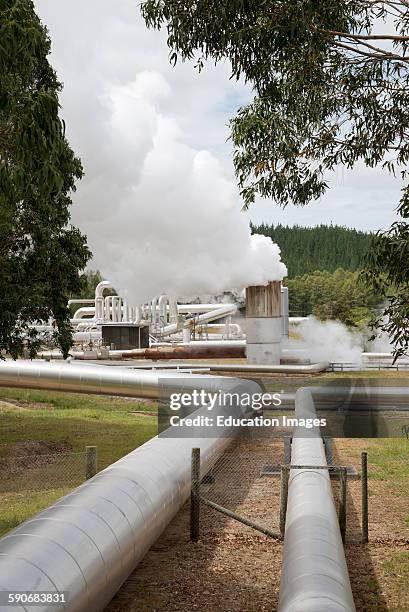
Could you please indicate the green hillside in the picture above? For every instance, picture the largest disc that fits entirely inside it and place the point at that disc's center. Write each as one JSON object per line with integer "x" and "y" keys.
{"x": 325, "y": 247}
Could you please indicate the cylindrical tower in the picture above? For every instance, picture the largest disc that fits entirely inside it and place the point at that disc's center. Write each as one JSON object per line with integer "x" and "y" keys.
{"x": 264, "y": 326}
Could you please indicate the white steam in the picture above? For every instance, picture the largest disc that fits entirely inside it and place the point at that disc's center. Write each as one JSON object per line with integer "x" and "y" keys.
{"x": 382, "y": 343}
{"x": 327, "y": 341}
{"x": 160, "y": 210}
{"x": 171, "y": 219}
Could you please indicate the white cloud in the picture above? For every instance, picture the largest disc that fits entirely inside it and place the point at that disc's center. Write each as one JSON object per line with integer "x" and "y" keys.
{"x": 365, "y": 198}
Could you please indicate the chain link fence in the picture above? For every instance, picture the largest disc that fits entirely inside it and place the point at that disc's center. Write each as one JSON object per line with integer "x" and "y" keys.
{"x": 240, "y": 482}
{"x": 42, "y": 472}
{"x": 31, "y": 482}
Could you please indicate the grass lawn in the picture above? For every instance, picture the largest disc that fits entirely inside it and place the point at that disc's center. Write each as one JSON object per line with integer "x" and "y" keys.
{"x": 291, "y": 382}
{"x": 43, "y": 436}
{"x": 379, "y": 570}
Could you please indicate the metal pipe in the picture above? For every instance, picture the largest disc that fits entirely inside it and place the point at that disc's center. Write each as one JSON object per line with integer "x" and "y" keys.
{"x": 310, "y": 368}
{"x": 285, "y": 311}
{"x": 188, "y": 352}
{"x": 101, "y": 380}
{"x": 314, "y": 576}
{"x": 163, "y": 309}
{"x": 81, "y": 301}
{"x": 100, "y": 288}
{"x": 199, "y": 308}
{"x": 84, "y": 311}
{"x": 88, "y": 542}
{"x": 222, "y": 310}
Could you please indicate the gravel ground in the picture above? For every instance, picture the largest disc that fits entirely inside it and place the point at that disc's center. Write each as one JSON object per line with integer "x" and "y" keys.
{"x": 234, "y": 568}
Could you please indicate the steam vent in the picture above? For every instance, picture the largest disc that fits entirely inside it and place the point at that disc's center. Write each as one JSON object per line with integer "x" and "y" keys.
{"x": 264, "y": 324}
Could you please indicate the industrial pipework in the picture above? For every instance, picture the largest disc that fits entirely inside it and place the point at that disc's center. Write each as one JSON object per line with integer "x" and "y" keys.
{"x": 87, "y": 543}
{"x": 164, "y": 316}
{"x": 314, "y": 575}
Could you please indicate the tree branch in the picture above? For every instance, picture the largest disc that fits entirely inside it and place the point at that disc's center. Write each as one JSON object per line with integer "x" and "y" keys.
{"x": 380, "y": 56}
{"x": 360, "y": 37}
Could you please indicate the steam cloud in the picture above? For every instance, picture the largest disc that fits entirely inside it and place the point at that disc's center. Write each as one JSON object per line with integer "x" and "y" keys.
{"x": 172, "y": 221}
{"x": 327, "y": 341}
{"x": 161, "y": 214}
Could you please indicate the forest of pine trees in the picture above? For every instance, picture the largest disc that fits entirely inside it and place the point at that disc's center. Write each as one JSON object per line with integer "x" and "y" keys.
{"x": 325, "y": 247}
{"x": 324, "y": 264}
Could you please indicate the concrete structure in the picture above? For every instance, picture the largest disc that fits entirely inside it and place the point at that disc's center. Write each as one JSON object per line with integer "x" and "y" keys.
{"x": 264, "y": 325}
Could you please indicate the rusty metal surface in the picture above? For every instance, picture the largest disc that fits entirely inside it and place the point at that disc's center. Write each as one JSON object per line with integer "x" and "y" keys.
{"x": 264, "y": 300}
{"x": 190, "y": 352}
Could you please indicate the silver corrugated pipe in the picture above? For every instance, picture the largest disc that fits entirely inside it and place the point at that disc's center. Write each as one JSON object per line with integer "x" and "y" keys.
{"x": 88, "y": 542}
{"x": 314, "y": 575}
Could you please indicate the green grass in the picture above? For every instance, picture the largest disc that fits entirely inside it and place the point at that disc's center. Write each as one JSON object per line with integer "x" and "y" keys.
{"x": 389, "y": 463}
{"x": 80, "y": 420}
{"x": 18, "y": 507}
{"x": 70, "y": 422}
{"x": 391, "y": 460}
{"x": 290, "y": 383}
{"x": 396, "y": 567}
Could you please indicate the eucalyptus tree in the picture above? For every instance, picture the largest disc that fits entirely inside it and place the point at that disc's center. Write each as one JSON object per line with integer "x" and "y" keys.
{"x": 331, "y": 86}
{"x": 41, "y": 254}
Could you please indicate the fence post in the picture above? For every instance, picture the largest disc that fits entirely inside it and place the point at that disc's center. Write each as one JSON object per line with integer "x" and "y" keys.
{"x": 287, "y": 449}
{"x": 343, "y": 502}
{"x": 91, "y": 462}
{"x": 285, "y": 474}
{"x": 195, "y": 496}
{"x": 364, "y": 496}
{"x": 329, "y": 452}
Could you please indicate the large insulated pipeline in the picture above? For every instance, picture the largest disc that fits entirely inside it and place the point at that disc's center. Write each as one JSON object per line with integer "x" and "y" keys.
{"x": 87, "y": 543}
{"x": 309, "y": 368}
{"x": 314, "y": 575}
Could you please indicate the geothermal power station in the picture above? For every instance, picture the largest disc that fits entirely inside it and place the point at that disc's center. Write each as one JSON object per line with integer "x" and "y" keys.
{"x": 87, "y": 543}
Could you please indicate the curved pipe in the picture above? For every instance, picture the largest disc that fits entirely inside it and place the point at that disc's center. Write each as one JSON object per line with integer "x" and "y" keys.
{"x": 84, "y": 311}
{"x": 88, "y": 542}
{"x": 314, "y": 575}
{"x": 100, "y": 288}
